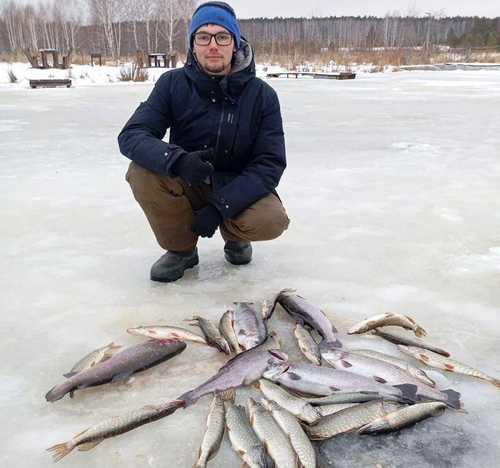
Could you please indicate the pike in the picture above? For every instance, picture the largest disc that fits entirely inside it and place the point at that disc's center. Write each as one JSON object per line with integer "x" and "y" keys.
{"x": 387, "y": 319}
{"x": 295, "y": 405}
{"x": 243, "y": 438}
{"x": 341, "y": 398}
{"x": 249, "y": 326}
{"x": 327, "y": 410}
{"x": 307, "y": 345}
{"x": 292, "y": 428}
{"x": 226, "y": 328}
{"x": 398, "y": 339}
{"x": 94, "y": 435}
{"x": 385, "y": 373}
{"x": 435, "y": 360}
{"x": 167, "y": 332}
{"x": 244, "y": 369}
{"x": 350, "y": 419}
{"x": 401, "y": 363}
{"x": 211, "y": 333}
{"x": 305, "y": 313}
{"x": 307, "y": 379}
{"x": 93, "y": 358}
{"x": 120, "y": 367}
{"x": 403, "y": 417}
{"x": 270, "y": 434}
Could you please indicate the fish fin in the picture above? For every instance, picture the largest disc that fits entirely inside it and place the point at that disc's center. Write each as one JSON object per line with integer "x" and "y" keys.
{"x": 123, "y": 377}
{"x": 408, "y": 392}
{"x": 228, "y": 395}
{"x": 59, "y": 451}
{"x": 89, "y": 445}
{"x": 69, "y": 374}
{"x": 496, "y": 383}
{"x": 345, "y": 363}
{"x": 453, "y": 398}
{"x": 379, "y": 379}
{"x": 72, "y": 394}
{"x": 420, "y": 332}
{"x": 449, "y": 367}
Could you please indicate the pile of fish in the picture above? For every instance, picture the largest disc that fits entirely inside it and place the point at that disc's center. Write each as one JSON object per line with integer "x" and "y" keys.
{"x": 369, "y": 380}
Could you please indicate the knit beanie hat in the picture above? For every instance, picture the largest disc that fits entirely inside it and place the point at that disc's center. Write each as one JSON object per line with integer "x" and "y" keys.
{"x": 219, "y": 13}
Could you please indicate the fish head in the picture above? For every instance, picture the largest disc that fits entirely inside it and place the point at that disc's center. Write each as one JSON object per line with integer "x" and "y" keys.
{"x": 275, "y": 370}
{"x": 140, "y": 331}
{"x": 277, "y": 356}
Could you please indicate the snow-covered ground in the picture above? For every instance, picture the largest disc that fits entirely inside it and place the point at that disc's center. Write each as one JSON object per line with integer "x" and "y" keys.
{"x": 393, "y": 189}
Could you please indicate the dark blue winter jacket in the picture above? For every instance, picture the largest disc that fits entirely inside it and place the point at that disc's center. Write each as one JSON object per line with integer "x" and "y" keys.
{"x": 239, "y": 116}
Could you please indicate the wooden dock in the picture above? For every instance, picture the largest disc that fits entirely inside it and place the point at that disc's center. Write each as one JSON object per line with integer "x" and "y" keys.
{"x": 316, "y": 75}
{"x": 50, "y": 83}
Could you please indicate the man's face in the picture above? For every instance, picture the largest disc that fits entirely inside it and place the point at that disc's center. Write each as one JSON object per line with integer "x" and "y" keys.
{"x": 215, "y": 59}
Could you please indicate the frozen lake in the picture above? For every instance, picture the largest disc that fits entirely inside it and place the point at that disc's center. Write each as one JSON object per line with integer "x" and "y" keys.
{"x": 393, "y": 190}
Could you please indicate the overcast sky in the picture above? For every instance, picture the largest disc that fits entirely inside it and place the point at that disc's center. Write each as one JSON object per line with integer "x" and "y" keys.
{"x": 271, "y": 8}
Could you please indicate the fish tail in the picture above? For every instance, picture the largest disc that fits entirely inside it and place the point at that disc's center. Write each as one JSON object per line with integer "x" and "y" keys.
{"x": 495, "y": 382}
{"x": 420, "y": 332}
{"x": 59, "y": 451}
{"x": 228, "y": 395}
{"x": 453, "y": 399}
{"x": 408, "y": 392}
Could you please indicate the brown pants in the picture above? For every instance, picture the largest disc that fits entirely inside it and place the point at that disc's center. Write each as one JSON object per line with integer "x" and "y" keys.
{"x": 168, "y": 203}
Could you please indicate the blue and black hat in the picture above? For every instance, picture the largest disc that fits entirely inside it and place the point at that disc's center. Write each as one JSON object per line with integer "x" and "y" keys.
{"x": 219, "y": 13}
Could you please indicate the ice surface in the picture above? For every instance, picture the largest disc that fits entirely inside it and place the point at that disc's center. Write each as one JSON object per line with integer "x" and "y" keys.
{"x": 393, "y": 189}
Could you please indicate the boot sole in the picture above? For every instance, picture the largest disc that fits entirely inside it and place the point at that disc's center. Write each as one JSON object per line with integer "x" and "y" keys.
{"x": 234, "y": 260}
{"x": 176, "y": 274}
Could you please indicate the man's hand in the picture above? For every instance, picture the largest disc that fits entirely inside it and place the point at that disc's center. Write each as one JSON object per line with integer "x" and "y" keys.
{"x": 206, "y": 221}
{"x": 195, "y": 167}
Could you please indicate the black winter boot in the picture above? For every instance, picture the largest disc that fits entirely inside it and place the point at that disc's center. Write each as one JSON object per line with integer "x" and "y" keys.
{"x": 171, "y": 266}
{"x": 238, "y": 252}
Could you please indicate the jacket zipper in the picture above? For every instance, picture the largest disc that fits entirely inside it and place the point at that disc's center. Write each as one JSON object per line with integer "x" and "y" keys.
{"x": 219, "y": 131}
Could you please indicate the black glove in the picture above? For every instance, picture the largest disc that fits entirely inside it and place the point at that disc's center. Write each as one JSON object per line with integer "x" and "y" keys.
{"x": 195, "y": 167}
{"x": 206, "y": 221}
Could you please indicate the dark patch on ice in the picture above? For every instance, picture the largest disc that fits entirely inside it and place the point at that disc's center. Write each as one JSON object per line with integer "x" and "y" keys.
{"x": 429, "y": 444}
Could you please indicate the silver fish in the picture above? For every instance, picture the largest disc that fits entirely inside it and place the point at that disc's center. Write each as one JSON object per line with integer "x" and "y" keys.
{"x": 120, "y": 367}
{"x": 350, "y": 419}
{"x": 249, "y": 326}
{"x": 398, "y": 338}
{"x": 339, "y": 398}
{"x": 274, "y": 439}
{"x": 387, "y": 319}
{"x": 211, "y": 333}
{"x": 372, "y": 342}
{"x": 401, "y": 363}
{"x": 243, "y": 438}
{"x": 435, "y": 360}
{"x": 243, "y": 369}
{"x": 89, "y": 438}
{"x": 403, "y": 417}
{"x": 385, "y": 373}
{"x": 167, "y": 332}
{"x": 327, "y": 410}
{"x": 295, "y": 405}
{"x": 292, "y": 428}
{"x": 226, "y": 328}
{"x": 321, "y": 381}
{"x": 93, "y": 358}
{"x": 307, "y": 345}
{"x": 309, "y": 314}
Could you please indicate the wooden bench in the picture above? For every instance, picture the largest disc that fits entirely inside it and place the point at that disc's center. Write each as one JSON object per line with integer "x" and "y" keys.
{"x": 50, "y": 83}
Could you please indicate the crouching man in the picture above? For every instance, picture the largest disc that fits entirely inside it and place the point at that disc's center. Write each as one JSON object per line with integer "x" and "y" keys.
{"x": 226, "y": 150}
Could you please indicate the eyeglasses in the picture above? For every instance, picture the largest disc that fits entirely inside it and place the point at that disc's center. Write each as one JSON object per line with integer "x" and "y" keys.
{"x": 221, "y": 38}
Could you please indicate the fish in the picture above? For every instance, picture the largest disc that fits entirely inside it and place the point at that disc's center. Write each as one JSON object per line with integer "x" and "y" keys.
{"x": 243, "y": 369}
{"x": 435, "y": 360}
{"x": 120, "y": 367}
{"x": 339, "y": 398}
{"x": 327, "y": 410}
{"x": 350, "y": 419}
{"x": 401, "y": 363}
{"x": 167, "y": 332}
{"x": 243, "y": 438}
{"x": 268, "y": 305}
{"x": 387, "y": 319}
{"x": 398, "y": 339}
{"x": 307, "y": 379}
{"x": 214, "y": 432}
{"x": 307, "y": 345}
{"x": 270, "y": 434}
{"x": 308, "y": 314}
{"x": 295, "y": 405}
{"x": 211, "y": 333}
{"x": 385, "y": 373}
{"x": 226, "y": 328}
{"x": 94, "y": 435}
{"x": 292, "y": 428}
{"x": 93, "y": 358}
{"x": 371, "y": 342}
{"x": 403, "y": 417}
{"x": 249, "y": 326}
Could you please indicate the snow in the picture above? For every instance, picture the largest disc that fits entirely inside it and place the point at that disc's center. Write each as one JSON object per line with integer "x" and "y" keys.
{"x": 393, "y": 189}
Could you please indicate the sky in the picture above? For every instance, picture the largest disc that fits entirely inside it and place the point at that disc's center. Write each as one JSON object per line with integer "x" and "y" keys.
{"x": 271, "y": 8}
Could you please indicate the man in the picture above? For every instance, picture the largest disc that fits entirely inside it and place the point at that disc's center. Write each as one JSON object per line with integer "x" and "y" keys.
{"x": 226, "y": 150}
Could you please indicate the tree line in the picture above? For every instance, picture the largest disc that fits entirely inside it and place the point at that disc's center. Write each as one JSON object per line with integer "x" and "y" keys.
{"x": 119, "y": 28}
